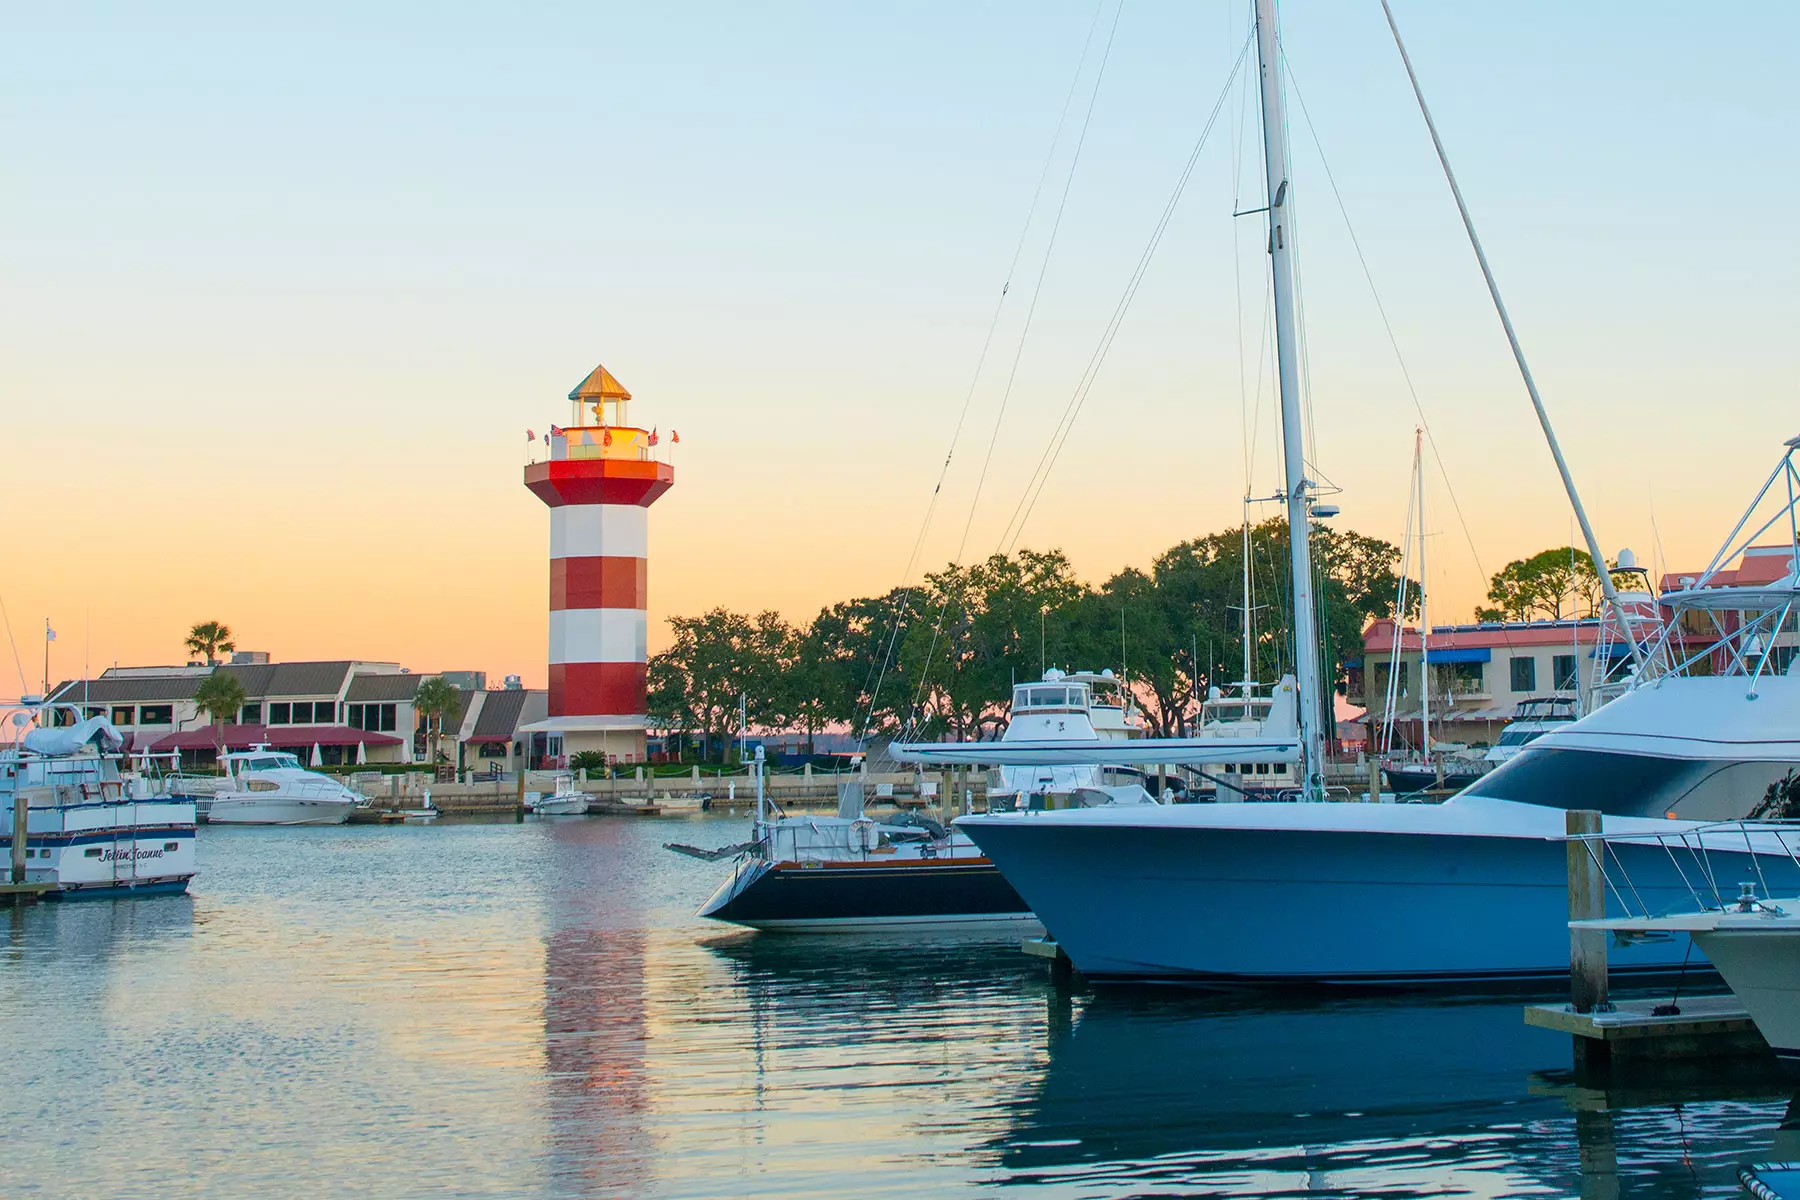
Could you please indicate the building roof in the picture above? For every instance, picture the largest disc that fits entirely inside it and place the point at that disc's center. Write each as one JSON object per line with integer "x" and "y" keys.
{"x": 1759, "y": 565}
{"x": 1378, "y": 638}
{"x": 599, "y": 385}
{"x": 282, "y": 737}
{"x": 500, "y": 714}
{"x": 364, "y": 687}
{"x": 137, "y": 689}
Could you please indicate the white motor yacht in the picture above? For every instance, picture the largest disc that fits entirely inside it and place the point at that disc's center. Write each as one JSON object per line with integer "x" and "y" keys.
{"x": 1078, "y": 708}
{"x": 1471, "y": 890}
{"x": 1531, "y": 720}
{"x": 270, "y": 787}
{"x": 91, "y": 830}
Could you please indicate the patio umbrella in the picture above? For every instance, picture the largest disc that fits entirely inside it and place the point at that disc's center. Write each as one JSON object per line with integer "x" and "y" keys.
{"x": 362, "y": 753}
{"x": 318, "y": 757}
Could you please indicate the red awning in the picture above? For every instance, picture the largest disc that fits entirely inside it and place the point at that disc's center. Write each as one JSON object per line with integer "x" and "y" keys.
{"x": 489, "y": 739}
{"x": 281, "y": 737}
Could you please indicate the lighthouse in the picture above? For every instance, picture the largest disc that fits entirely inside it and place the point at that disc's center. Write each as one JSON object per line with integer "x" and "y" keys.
{"x": 599, "y": 481}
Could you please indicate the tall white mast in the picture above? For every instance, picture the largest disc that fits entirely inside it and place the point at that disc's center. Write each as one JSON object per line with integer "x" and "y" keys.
{"x": 1244, "y": 688}
{"x": 1424, "y": 598}
{"x": 1281, "y": 270}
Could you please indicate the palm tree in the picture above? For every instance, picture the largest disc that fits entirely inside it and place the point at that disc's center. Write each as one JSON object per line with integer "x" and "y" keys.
{"x": 208, "y": 640}
{"x": 436, "y": 700}
{"x": 221, "y": 697}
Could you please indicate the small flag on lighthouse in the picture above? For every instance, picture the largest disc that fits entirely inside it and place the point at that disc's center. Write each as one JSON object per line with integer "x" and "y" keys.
{"x": 607, "y": 440}
{"x": 653, "y": 437}
{"x": 675, "y": 436}
{"x": 49, "y": 634}
{"x": 530, "y": 435}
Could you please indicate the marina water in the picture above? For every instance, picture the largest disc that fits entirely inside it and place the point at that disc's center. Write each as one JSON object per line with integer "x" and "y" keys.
{"x": 531, "y": 1010}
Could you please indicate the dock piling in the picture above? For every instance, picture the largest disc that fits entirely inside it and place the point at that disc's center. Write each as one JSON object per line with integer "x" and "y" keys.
{"x": 21, "y": 820}
{"x": 1587, "y": 902}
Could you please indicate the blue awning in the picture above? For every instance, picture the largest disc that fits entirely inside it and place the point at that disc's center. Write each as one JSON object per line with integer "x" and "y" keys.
{"x": 1611, "y": 651}
{"x": 1466, "y": 654}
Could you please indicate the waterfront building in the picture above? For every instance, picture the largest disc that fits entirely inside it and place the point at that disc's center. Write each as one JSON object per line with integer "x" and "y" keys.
{"x": 346, "y": 710}
{"x": 1479, "y": 673}
{"x": 599, "y": 477}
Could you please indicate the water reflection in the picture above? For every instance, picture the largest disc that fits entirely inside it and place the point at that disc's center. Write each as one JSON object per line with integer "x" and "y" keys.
{"x": 531, "y": 1011}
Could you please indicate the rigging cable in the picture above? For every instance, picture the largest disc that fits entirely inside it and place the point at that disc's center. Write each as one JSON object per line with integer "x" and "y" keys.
{"x": 1034, "y": 487}
{"x": 879, "y": 675}
{"x": 1018, "y": 354}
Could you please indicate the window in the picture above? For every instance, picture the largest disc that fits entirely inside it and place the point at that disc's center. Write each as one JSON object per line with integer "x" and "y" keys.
{"x": 171, "y": 847}
{"x": 122, "y": 714}
{"x": 491, "y": 750}
{"x": 250, "y": 714}
{"x": 379, "y": 718}
{"x": 156, "y": 714}
{"x": 280, "y": 714}
{"x": 1563, "y": 671}
{"x": 92, "y": 852}
{"x": 1524, "y": 674}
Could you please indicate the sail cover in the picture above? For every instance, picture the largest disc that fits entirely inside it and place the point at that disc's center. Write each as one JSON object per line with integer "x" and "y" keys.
{"x": 1137, "y": 752}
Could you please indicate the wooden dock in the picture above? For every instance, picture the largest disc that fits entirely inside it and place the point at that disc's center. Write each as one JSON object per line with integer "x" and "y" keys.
{"x": 15, "y": 894}
{"x": 1643, "y": 1030}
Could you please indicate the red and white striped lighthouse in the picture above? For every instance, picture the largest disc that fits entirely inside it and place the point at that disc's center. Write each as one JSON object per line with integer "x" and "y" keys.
{"x": 600, "y": 479}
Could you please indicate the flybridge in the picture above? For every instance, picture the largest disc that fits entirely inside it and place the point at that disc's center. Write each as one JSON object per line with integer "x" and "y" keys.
{"x": 1026, "y": 746}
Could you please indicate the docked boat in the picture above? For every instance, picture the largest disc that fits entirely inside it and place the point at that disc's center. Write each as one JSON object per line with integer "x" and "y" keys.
{"x": 1267, "y": 892}
{"x": 563, "y": 800}
{"x": 855, "y": 872}
{"x": 92, "y": 830}
{"x": 1470, "y": 891}
{"x": 270, "y": 787}
{"x": 1531, "y": 720}
{"x": 1752, "y": 941}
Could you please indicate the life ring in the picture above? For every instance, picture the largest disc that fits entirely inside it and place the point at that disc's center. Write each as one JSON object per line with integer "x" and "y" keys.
{"x": 864, "y": 835}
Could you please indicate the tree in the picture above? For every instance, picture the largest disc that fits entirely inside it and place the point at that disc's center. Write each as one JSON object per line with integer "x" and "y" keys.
{"x": 979, "y": 631}
{"x": 437, "y": 700}
{"x": 713, "y": 660}
{"x": 208, "y": 640}
{"x": 1542, "y": 586}
{"x": 221, "y": 697}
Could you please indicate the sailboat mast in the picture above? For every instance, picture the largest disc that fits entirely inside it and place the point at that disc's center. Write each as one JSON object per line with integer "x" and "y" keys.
{"x": 1287, "y": 358}
{"x": 1245, "y": 679}
{"x": 1424, "y": 600}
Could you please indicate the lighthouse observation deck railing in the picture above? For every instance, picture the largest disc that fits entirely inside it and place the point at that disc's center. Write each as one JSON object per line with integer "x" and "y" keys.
{"x": 601, "y": 441}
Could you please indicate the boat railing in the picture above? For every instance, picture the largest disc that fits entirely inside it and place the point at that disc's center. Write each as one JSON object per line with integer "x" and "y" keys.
{"x": 1694, "y": 852}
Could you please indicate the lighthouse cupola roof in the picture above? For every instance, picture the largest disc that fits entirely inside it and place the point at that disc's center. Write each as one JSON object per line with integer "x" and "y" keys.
{"x": 604, "y": 396}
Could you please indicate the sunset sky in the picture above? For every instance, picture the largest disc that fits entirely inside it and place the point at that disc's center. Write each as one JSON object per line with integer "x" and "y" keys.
{"x": 284, "y": 289}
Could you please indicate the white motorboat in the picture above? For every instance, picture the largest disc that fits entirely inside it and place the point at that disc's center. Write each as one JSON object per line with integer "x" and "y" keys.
{"x": 563, "y": 800}
{"x": 1531, "y": 720}
{"x": 91, "y": 830}
{"x": 1474, "y": 889}
{"x": 270, "y": 787}
{"x": 1753, "y": 942}
{"x": 1080, "y": 708}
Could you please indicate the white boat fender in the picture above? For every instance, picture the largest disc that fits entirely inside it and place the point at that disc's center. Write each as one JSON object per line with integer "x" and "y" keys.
{"x": 864, "y": 835}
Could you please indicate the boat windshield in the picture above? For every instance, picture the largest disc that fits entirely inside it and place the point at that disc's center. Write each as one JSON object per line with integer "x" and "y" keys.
{"x": 1041, "y": 695}
{"x": 272, "y": 762}
{"x": 1518, "y": 737}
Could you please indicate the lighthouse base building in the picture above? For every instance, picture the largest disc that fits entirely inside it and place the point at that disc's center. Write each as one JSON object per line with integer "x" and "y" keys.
{"x": 599, "y": 481}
